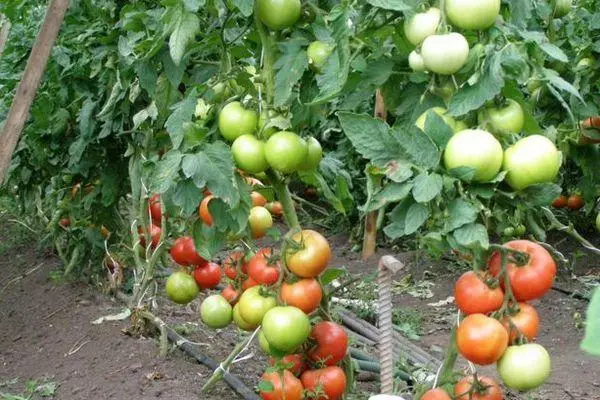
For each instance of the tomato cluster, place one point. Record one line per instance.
(573, 202)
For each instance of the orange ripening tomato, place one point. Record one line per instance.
(203, 211)
(532, 280)
(526, 322)
(473, 295)
(230, 294)
(258, 199)
(486, 389)
(481, 339)
(309, 255)
(435, 394)
(290, 389)
(560, 202)
(305, 294)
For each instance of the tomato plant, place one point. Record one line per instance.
(254, 305)
(476, 149)
(525, 321)
(285, 328)
(262, 269)
(308, 255)
(473, 14)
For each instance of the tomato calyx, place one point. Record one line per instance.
(478, 387)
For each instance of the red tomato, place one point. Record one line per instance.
(473, 295)
(291, 389)
(178, 253)
(190, 253)
(264, 268)
(331, 343)
(155, 233)
(531, 280)
(248, 283)
(309, 255)
(484, 389)
(305, 294)
(560, 202)
(575, 202)
(258, 199)
(481, 339)
(155, 209)
(207, 276)
(435, 394)
(230, 265)
(295, 363)
(65, 222)
(203, 211)
(230, 294)
(525, 322)
(330, 381)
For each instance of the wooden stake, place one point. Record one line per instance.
(36, 64)
(4, 31)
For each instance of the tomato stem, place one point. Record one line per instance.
(285, 198)
(267, 58)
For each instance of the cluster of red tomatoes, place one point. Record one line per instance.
(573, 202)
(499, 324)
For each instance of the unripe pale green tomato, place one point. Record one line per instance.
(216, 312)
(285, 152)
(249, 154)
(422, 25)
(531, 160)
(181, 287)
(507, 119)
(317, 53)
(254, 306)
(415, 62)
(267, 348)
(460, 126)
(443, 113)
(260, 221)
(286, 328)
(524, 367)
(239, 321)
(472, 14)
(562, 8)
(235, 121)
(279, 14)
(313, 156)
(477, 149)
(445, 54)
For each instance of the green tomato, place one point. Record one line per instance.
(241, 322)
(524, 367)
(216, 312)
(285, 152)
(422, 25)
(472, 14)
(249, 154)
(254, 306)
(267, 348)
(585, 63)
(181, 288)
(520, 230)
(507, 119)
(235, 121)
(279, 14)
(286, 328)
(477, 149)
(445, 54)
(531, 160)
(313, 156)
(562, 8)
(509, 231)
(317, 54)
(598, 222)
(443, 113)
(415, 62)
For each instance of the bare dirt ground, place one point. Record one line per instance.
(46, 334)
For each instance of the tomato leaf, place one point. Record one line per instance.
(520, 11)
(330, 275)
(460, 213)
(427, 187)
(394, 5)
(265, 386)
(186, 196)
(290, 67)
(165, 172)
(437, 129)
(544, 44)
(207, 239)
(416, 216)
(397, 227)
(591, 340)
(183, 112)
(391, 193)
(472, 236)
(245, 6)
(183, 26)
(541, 194)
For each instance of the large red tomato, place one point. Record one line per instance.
(306, 294)
(178, 253)
(264, 268)
(207, 276)
(481, 339)
(309, 255)
(531, 280)
(330, 380)
(331, 343)
(155, 209)
(290, 389)
(484, 389)
(473, 294)
(525, 322)
(190, 253)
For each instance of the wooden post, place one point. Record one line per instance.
(4, 31)
(36, 64)
(370, 235)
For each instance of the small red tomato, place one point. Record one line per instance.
(560, 202)
(230, 294)
(264, 268)
(575, 202)
(207, 276)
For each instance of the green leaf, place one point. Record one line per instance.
(265, 386)
(147, 77)
(165, 172)
(520, 11)
(415, 218)
(559, 83)
(394, 5)
(417, 147)
(544, 43)
(460, 213)
(194, 5)
(427, 187)
(209, 242)
(187, 196)
(391, 193)
(183, 26)
(463, 173)
(437, 129)
(397, 227)
(541, 194)
(245, 6)
(330, 275)
(399, 171)
(591, 340)
(472, 236)
(290, 67)
(183, 112)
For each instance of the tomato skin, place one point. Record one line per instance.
(422, 25)
(532, 280)
(65, 222)
(491, 392)
(560, 202)
(261, 270)
(481, 339)
(415, 62)
(181, 288)
(203, 210)
(445, 54)
(526, 322)
(216, 312)
(598, 222)
(312, 256)
(235, 121)
(331, 343)
(241, 322)
(473, 14)
(575, 202)
(524, 367)
(331, 380)
(184, 252)
(230, 294)
(435, 394)
(253, 181)
(285, 152)
(507, 119)
(533, 159)
(313, 156)
(306, 294)
(285, 328)
(208, 276)
(249, 154)
(317, 53)
(260, 221)
(477, 149)
(155, 233)
(297, 361)
(279, 14)
(258, 200)
(275, 208)
(474, 296)
(155, 209)
(254, 306)
(290, 389)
